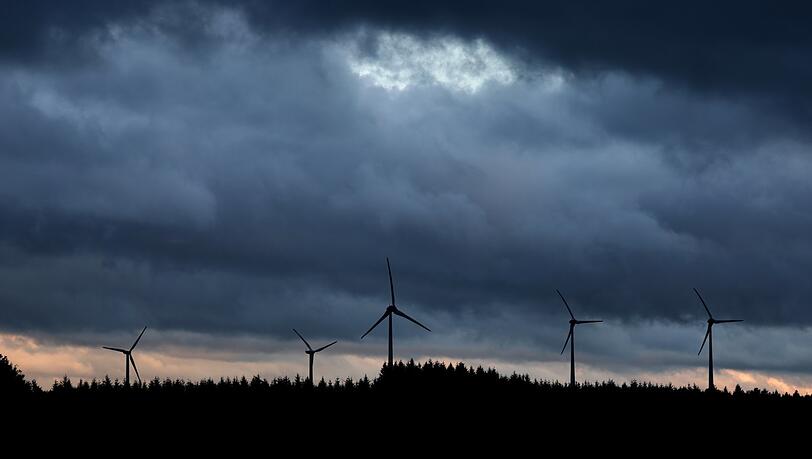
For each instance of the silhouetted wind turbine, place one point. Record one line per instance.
(571, 338)
(709, 334)
(392, 309)
(128, 357)
(310, 352)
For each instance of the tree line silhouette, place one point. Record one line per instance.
(431, 377)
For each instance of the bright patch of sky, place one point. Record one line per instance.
(400, 61)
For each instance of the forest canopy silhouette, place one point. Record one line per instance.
(417, 398)
(431, 377)
(12, 380)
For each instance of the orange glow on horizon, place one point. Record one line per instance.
(47, 363)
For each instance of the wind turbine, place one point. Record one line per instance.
(128, 357)
(310, 352)
(571, 338)
(709, 334)
(392, 309)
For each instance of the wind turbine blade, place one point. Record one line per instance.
(132, 360)
(703, 341)
(325, 347)
(406, 316)
(588, 321)
(376, 324)
(391, 284)
(703, 303)
(567, 341)
(565, 303)
(305, 341)
(728, 321)
(117, 349)
(138, 339)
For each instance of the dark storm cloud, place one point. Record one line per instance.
(66, 35)
(259, 183)
(744, 48)
(285, 178)
(35, 30)
(742, 45)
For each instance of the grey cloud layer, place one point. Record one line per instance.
(260, 184)
(736, 49)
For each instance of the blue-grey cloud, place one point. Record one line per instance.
(742, 49)
(259, 183)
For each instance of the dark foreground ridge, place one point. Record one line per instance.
(432, 394)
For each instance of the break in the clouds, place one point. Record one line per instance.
(216, 171)
(401, 61)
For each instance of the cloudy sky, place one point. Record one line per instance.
(224, 172)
